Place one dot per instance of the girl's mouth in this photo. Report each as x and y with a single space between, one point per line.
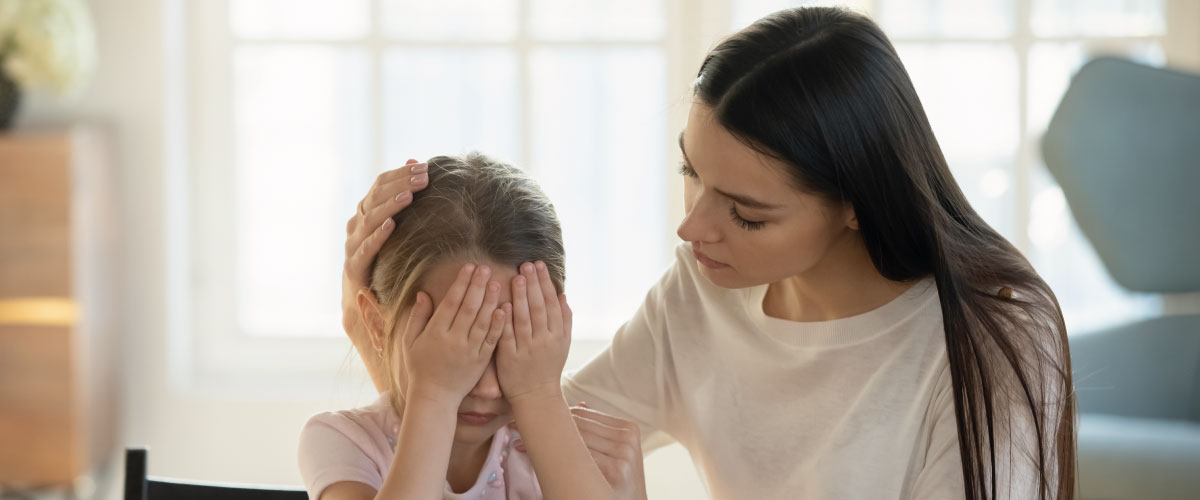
472 418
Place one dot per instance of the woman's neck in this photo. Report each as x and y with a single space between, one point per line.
466 460
845 283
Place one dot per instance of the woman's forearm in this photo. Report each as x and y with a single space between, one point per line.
422 449
564 465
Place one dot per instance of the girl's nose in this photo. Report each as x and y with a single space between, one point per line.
488 386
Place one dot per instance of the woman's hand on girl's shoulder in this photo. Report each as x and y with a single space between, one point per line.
533 347
616 446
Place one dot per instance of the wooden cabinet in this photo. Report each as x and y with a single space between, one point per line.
58 307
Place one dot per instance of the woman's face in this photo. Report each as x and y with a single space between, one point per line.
746 222
484 410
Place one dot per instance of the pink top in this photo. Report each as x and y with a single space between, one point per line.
359 444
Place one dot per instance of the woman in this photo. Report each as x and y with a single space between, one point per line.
840 323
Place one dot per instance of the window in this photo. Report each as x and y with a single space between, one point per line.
300 104
295 106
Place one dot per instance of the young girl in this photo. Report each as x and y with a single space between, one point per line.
839 321
441 430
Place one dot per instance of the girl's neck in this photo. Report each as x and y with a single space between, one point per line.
844 284
466 460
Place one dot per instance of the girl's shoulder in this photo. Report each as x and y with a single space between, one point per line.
376 418
347 445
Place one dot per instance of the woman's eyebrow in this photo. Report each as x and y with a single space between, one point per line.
741 199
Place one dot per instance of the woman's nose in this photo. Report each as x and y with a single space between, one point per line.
697 224
488 386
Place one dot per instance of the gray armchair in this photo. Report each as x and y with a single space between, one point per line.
1124 145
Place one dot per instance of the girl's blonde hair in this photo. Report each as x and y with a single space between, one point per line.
475 208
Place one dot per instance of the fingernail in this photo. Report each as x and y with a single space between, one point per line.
419 168
404 197
470 268
541 265
418 180
520 281
527 268
485 271
388 224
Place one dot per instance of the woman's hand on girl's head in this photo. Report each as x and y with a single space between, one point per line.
535 342
446 351
366 231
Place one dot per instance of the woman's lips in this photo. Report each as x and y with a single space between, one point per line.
709 263
472 418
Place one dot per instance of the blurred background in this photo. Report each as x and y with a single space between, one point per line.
183 170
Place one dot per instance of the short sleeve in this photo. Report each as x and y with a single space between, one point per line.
1017 469
333 449
631 378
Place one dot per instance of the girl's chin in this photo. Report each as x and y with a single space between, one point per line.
474 434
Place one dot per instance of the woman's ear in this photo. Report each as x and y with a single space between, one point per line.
850 217
372 317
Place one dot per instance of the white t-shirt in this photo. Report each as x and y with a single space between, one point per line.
853 408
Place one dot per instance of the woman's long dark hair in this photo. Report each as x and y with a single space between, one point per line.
824 90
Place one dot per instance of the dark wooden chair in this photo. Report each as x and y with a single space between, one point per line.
139 486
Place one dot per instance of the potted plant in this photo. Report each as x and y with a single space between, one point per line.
44 44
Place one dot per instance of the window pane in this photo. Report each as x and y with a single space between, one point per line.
599 130
746 12
317 19
450 101
300 118
970 95
946 18
1098 17
450 19
597 19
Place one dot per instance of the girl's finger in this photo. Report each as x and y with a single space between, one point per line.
508 339
521 325
483 319
566 312
418 317
550 297
448 309
494 332
537 305
472 301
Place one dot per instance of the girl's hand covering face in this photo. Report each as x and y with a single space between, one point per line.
533 347
446 351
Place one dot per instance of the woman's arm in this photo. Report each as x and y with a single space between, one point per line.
529 361
365 233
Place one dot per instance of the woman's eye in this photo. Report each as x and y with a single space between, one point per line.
687 171
749 225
